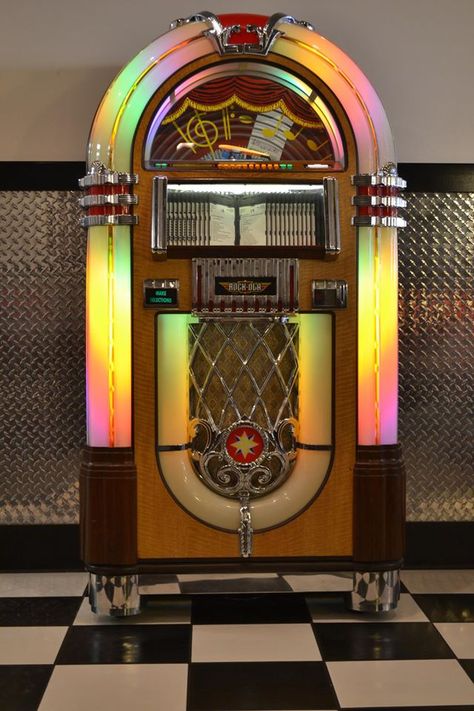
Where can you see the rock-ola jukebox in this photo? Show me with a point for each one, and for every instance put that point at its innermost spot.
(241, 205)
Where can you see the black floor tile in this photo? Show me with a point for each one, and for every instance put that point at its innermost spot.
(329, 604)
(247, 609)
(468, 666)
(243, 585)
(260, 686)
(447, 608)
(22, 687)
(126, 644)
(38, 611)
(356, 641)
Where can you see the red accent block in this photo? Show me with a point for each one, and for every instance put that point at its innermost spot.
(243, 19)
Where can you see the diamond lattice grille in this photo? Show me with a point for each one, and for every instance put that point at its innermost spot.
(243, 369)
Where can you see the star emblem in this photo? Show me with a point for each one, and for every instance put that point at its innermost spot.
(244, 444)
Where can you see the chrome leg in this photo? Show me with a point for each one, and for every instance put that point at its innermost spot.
(376, 591)
(114, 595)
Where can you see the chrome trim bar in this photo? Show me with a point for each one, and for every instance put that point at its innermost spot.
(331, 216)
(100, 220)
(387, 176)
(159, 225)
(369, 179)
(374, 200)
(108, 177)
(373, 221)
(118, 199)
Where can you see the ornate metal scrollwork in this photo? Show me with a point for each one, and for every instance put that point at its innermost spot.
(243, 461)
(221, 35)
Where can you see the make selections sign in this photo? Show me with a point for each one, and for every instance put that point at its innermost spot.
(163, 297)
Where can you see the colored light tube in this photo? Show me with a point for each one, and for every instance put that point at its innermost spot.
(122, 345)
(388, 362)
(367, 339)
(108, 307)
(377, 337)
(108, 341)
(119, 111)
(352, 88)
(97, 337)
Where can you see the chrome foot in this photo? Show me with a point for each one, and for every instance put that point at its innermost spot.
(375, 591)
(114, 595)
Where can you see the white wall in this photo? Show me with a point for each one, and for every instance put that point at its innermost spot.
(57, 58)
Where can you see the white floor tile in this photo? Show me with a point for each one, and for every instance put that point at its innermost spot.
(189, 578)
(254, 643)
(438, 581)
(459, 636)
(401, 683)
(42, 584)
(320, 582)
(30, 645)
(160, 589)
(407, 611)
(167, 611)
(147, 687)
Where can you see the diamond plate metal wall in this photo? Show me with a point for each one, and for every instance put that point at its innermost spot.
(42, 356)
(437, 356)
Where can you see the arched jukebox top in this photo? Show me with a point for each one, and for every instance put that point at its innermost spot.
(247, 60)
(228, 114)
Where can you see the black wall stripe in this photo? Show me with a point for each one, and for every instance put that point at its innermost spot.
(41, 176)
(438, 177)
(421, 177)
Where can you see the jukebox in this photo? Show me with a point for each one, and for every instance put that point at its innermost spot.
(241, 204)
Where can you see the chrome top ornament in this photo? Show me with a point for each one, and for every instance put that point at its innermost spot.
(221, 35)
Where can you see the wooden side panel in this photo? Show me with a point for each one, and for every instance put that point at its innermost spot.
(165, 530)
(108, 495)
(379, 511)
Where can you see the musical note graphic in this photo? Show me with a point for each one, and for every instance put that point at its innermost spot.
(290, 136)
(312, 145)
(270, 132)
(226, 123)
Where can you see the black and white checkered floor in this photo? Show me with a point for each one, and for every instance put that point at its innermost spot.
(224, 643)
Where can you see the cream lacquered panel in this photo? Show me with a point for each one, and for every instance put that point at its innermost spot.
(315, 427)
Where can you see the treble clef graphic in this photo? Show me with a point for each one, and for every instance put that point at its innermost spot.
(198, 133)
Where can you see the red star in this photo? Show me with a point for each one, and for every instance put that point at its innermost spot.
(244, 444)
